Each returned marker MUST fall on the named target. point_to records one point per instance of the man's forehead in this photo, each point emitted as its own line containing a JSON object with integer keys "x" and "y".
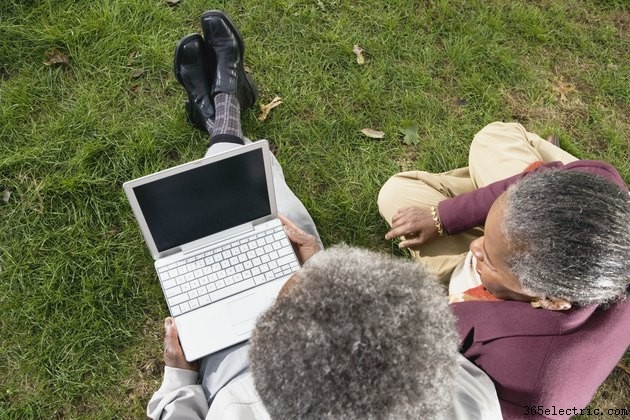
{"x": 495, "y": 242}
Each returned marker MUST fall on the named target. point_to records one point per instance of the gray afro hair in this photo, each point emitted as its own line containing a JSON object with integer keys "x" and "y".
{"x": 360, "y": 335}
{"x": 569, "y": 236}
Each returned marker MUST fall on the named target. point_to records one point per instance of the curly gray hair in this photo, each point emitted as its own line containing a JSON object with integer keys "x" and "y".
{"x": 359, "y": 335}
{"x": 569, "y": 236}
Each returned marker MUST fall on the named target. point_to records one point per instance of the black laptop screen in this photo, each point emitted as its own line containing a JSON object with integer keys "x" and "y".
{"x": 202, "y": 201}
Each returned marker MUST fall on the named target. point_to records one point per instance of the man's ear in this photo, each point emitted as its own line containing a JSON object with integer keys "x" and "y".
{"x": 552, "y": 304}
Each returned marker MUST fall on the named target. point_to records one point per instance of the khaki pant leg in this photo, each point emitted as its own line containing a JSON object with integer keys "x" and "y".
{"x": 501, "y": 150}
{"x": 422, "y": 189}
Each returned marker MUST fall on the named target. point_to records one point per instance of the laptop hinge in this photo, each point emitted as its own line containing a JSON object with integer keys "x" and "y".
{"x": 217, "y": 238}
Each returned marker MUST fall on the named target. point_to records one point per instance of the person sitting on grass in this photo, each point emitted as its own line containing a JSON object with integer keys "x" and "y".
{"x": 352, "y": 335}
{"x": 540, "y": 293}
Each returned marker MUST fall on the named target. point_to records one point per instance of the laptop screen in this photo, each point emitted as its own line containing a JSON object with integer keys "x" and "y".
{"x": 202, "y": 201}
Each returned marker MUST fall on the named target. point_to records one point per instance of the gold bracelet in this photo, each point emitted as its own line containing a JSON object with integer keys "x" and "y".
{"x": 437, "y": 221}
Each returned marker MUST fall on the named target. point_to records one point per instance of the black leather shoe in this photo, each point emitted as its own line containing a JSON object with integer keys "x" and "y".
{"x": 194, "y": 117}
{"x": 222, "y": 36}
{"x": 194, "y": 69}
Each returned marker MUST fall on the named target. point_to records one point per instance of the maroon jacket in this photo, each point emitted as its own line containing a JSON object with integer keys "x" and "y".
{"x": 541, "y": 361}
{"x": 469, "y": 210}
{"x": 538, "y": 357}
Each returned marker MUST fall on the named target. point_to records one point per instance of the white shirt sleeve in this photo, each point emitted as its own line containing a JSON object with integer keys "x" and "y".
{"x": 179, "y": 397}
{"x": 475, "y": 395}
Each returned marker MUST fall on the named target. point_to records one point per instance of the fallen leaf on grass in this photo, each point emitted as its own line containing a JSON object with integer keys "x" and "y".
{"x": 359, "y": 53}
{"x": 6, "y": 194}
{"x": 624, "y": 367}
{"x": 137, "y": 73}
{"x": 55, "y": 57}
{"x": 265, "y": 109}
{"x": 373, "y": 134}
{"x": 132, "y": 57}
{"x": 409, "y": 129}
{"x": 562, "y": 89}
{"x": 172, "y": 3}
{"x": 135, "y": 88}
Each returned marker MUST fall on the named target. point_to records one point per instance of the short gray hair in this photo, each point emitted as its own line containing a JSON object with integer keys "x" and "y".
{"x": 569, "y": 236}
{"x": 360, "y": 335}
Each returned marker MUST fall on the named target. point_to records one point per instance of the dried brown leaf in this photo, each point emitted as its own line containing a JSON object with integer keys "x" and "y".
{"x": 358, "y": 51}
{"x": 172, "y": 3}
{"x": 137, "y": 73}
{"x": 373, "y": 134}
{"x": 562, "y": 89}
{"x": 265, "y": 109}
{"x": 132, "y": 57}
{"x": 135, "y": 88}
{"x": 55, "y": 57}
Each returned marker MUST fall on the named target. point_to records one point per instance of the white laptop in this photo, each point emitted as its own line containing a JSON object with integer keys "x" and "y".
{"x": 219, "y": 248}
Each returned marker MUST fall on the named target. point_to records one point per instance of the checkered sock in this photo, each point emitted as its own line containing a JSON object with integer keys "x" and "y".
{"x": 227, "y": 120}
{"x": 209, "y": 126}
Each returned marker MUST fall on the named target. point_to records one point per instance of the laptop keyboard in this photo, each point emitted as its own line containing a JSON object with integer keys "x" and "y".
{"x": 222, "y": 272}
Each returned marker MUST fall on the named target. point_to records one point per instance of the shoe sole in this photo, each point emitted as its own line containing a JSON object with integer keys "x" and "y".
{"x": 241, "y": 45}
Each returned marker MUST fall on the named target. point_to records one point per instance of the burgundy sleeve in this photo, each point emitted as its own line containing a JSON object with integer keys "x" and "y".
{"x": 469, "y": 210}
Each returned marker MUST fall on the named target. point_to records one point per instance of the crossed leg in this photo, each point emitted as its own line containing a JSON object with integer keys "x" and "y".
{"x": 498, "y": 151}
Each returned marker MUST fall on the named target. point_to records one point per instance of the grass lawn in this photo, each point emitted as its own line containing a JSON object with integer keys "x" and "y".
{"x": 88, "y": 100}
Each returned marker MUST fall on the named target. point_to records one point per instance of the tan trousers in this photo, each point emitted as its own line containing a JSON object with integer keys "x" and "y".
{"x": 498, "y": 151}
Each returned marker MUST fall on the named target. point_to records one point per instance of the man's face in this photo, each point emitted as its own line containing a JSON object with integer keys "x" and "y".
{"x": 491, "y": 252}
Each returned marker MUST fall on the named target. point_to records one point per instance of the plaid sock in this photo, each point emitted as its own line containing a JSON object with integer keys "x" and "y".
{"x": 209, "y": 126}
{"x": 227, "y": 120}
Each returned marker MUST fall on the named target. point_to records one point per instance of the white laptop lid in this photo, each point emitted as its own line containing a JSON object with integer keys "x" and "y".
{"x": 194, "y": 204}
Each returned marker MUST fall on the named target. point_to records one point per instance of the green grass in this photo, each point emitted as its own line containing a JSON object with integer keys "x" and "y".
{"x": 81, "y": 310}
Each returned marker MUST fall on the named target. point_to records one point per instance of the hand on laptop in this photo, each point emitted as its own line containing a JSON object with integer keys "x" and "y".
{"x": 173, "y": 353}
{"x": 305, "y": 245}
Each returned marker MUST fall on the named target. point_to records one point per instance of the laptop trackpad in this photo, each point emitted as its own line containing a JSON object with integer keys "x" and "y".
{"x": 244, "y": 311}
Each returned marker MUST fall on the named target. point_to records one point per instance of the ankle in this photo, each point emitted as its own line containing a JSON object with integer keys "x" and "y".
{"x": 227, "y": 115}
{"x": 227, "y": 138}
